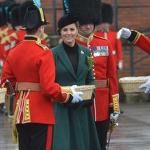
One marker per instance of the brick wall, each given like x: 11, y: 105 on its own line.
x: 139, y: 62
x: 49, y: 10
x: 131, y: 13
x: 134, y: 14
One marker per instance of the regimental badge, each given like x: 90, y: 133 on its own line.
x: 100, y: 51
x: 82, y: 52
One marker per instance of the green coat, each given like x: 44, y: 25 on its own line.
x: 74, y: 128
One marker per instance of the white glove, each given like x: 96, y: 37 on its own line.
x: 120, y: 65
x: 76, y: 95
x: 114, y: 116
x: 146, y: 86
x: 123, y: 33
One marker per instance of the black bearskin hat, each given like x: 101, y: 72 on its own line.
x: 15, y: 16
x: 9, y: 12
x: 6, y: 6
x: 23, y: 8
x: 3, y: 19
x: 107, y: 13
x: 87, y: 11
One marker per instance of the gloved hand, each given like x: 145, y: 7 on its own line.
x: 76, y: 95
x: 146, y: 86
x: 123, y: 33
x: 120, y: 65
x: 114, y: 116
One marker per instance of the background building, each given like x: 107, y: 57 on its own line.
x: 132, y: 14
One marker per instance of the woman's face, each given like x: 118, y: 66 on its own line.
x: 68, y: 34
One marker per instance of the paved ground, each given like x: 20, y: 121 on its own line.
x: 133, y: 132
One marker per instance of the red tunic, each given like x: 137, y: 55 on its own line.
x: 104, y: 69
x: 32, y: 62
x: 9, y: 41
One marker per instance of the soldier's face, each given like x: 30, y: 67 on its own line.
x: 68, y: 34
x: 103, y: 27
x: 86, y: 29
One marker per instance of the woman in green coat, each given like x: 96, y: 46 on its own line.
x: 74, y: 128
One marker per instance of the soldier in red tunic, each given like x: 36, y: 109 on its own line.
x: 105, y: 73
x: 136, y: 38
x: 30, y: 68
x: 141, y: 41
x: 3, y: 21
x: 4, y: 30
x: 15, y: 14
x: 14, y: 34
x: 106, y: 94
x: 104, y: 29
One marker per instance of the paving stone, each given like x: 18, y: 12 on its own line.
x: 133, y: 132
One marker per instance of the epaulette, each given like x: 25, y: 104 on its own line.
x: 5, y: 39
x: 99, y: 37
x: 38, y: 42
x: 14, y: 35
x: 3, y: 32
x: 8, y: 38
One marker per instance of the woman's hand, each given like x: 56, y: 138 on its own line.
x: 76, y: 95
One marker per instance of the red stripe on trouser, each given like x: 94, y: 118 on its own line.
x: 49, y: 137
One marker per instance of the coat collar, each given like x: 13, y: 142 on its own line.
x: 85, y: 40
x: 32, y: 38
x: 66, y: 62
